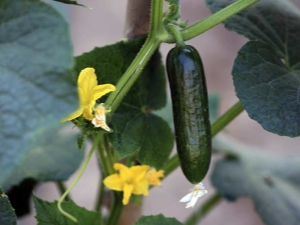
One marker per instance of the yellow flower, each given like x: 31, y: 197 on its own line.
x: 129, y: 180
x: 89, y: 91
x: 153, y: 176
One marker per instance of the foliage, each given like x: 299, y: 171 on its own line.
x: 38, y: 76
x: 133, y: 122
x: 156, y: 220
x: 7, y: 214
x: 47, y: 213
x: 266, y: 72
x: 35, y: 93
x: 271, y: 181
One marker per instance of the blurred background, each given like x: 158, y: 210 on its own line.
x: 104, y: 25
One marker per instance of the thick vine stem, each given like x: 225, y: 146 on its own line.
x: 116, y: 209
x: 216, y: 127
x: 104, y: 156
x: 100, y: 194
x: 155, y: 37
x: 125, y: 83
x: 107, y: 169
x: 213, y: 20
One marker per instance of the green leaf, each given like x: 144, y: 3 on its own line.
x: 271, y: 181
x: 143, y: 133
x: 48, y: 214
x: 266, y: 72
x: 157, y: 220
x: 136, y: 129
x: 72, y: 2
x: 274, y: 22
x: 36, y: 92
x: 51, y: 156
x: 7, y: 213
x: 268, y: 90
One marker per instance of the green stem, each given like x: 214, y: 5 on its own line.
x: 155, y: 37
x: 203, y: 210
x: 177, y: 35
x: 213, y: 20
x: 110, y: 156
x: 82, y: 169
x: 105, y: 159
x: 156, y: 15
x: 216, y: 127
x: 226, y: 118
x: 171, y: 165
x: 105, y: 162
x: 62, y: 189
x: 117, y: 206
x: 131, y: 74
x: 116, y: 209
x: 100, y: 194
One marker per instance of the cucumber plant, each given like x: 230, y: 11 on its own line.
x: 266, y: 77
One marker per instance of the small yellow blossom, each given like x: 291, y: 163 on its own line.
x: 89, y: 91
x: 133, y: 180
x: 129, y: 180
x: 100, y: 117
x: 153, y: 176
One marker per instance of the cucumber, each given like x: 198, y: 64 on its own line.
x: 190, y: 111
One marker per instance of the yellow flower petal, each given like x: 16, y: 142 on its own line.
x: 114, y: 182
x: 125, y: 172
x: 73, y: 115
x: 132, y: 180
x: 87, y: 80
x: 89, y: 91
x: 153, y: 177
x: 141, y: 188
x: 101, y: 90
x: 139, y: 172
x: 127, y: 193
x: 88, y: 110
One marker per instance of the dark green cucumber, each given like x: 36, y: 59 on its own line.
x: 190, y: 111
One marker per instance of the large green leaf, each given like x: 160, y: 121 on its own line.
x: 48, y: 214
x: 157, y: 220
x: 36, y: 92
x: 268, y: 89
x: 271, y: 181
x: 266, y: 72
x: 136, y: 129
x: 275, y: 22
x: 52, y: 155
x: 7, y: 213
